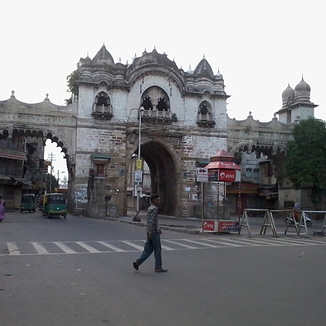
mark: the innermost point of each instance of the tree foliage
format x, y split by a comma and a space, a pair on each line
72, 85
306, 155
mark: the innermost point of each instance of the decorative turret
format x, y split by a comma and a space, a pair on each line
296, 104
302, 91
204, 69
288, 95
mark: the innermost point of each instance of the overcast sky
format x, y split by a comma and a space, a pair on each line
258, 46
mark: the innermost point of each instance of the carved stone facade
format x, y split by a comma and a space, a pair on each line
183, 123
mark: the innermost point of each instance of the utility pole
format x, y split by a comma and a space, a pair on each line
51, 158
139, 166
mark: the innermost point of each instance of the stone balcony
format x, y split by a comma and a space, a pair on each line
103, 112
156, 116
205, 120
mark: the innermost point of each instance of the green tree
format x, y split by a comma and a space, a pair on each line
72, 85
306, 157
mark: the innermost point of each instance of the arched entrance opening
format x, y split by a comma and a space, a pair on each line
163, 177
55, 166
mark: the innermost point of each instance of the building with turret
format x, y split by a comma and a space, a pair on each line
154, 117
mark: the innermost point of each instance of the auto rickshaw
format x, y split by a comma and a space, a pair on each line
28, 203
54, 204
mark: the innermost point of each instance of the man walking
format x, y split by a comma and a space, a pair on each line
153, 241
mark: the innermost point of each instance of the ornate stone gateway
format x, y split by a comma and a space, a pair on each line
183, 123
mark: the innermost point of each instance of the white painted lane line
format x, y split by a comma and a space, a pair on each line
223, 243
65, 248
110, 246
87, 247
39, 248
180, 244
13, 249
133, 245
164, 247
200, 243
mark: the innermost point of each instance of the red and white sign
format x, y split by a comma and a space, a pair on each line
226, 175
222, 165
202, 175
210, 226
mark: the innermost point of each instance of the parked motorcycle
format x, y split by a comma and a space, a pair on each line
289, 220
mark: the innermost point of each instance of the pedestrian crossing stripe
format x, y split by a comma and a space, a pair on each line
98, 247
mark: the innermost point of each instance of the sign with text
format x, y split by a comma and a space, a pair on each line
209, 226
228, 226
202, 175
138, 176
226, 175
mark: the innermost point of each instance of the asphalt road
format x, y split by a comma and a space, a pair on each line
79, 271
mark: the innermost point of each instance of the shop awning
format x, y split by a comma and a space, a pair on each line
22, 181
13, 155
100, 158
202, 162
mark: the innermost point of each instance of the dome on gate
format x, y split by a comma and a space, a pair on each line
103, 56
154, 57
204, 69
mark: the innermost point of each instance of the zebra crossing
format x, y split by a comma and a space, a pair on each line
118, 246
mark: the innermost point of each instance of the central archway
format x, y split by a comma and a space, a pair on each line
163, 174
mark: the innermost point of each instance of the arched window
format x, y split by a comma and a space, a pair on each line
155, 98
102, 108
156, 103
102, 99
205, 115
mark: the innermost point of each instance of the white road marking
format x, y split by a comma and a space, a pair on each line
133, 245
174, 244
110, 246
39, 248
64, 248
13, 249
180, 244
87, 247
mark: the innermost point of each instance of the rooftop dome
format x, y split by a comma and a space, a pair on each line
302, 91
204, 69
154, 58
303, 87
288, 94
103, 56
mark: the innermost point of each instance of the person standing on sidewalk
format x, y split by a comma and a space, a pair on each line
2, 209
153, 241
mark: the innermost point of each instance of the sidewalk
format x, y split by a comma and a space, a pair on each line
193, 225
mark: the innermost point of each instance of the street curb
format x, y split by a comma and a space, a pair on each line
162, 227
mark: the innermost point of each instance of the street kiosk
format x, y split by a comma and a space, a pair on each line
221, 170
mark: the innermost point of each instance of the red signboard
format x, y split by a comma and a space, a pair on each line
226, 175
209, 226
